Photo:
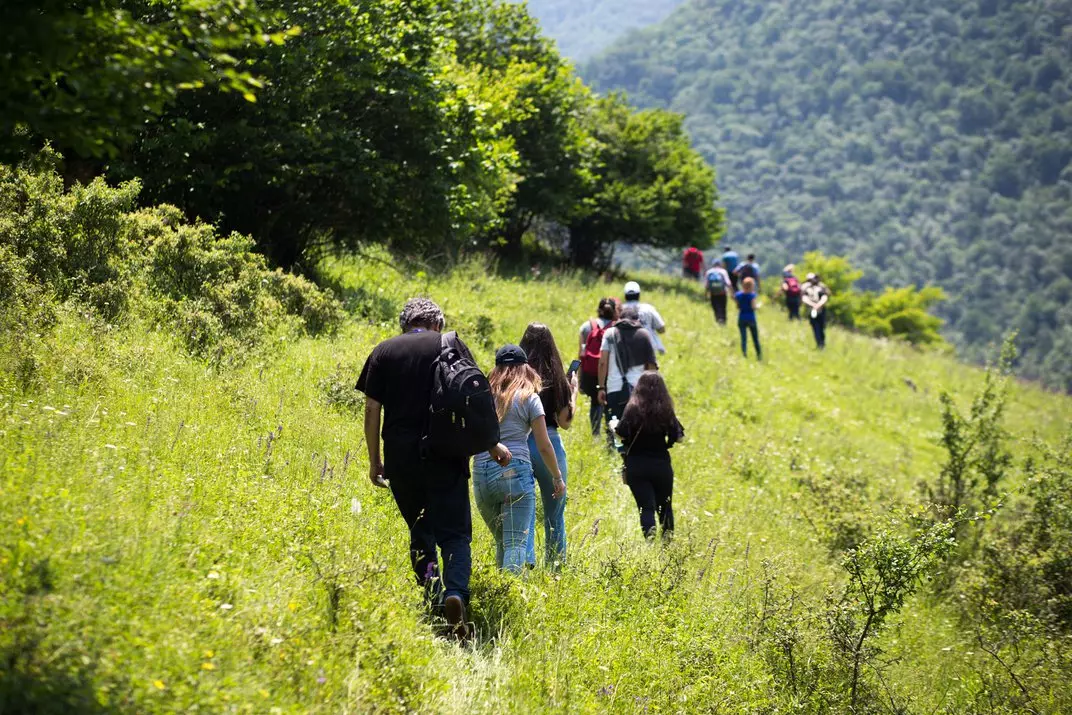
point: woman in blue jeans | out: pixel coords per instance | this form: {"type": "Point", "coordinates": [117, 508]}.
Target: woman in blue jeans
{"type": "Point", "coordinates": [506, 496]}
{"type": "Point", "coordinates": [559, 399]}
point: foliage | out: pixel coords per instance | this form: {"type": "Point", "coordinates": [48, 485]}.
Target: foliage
{"type": "Point", "coordinates": [902, 312]}
{"type": "Point", "coordinates": [174, 537]}
{"type": "Point", "coordinates": [895, 313]}
{"type": "Point", "coordinates": [582, 29]}
{"type": "Point", "coordinates": [977, 456]}
{"type": "Point", "coordinates": [882, 573]}
{"type": "Point", "coordinates": [651, 187]}
{"type": "Point", "coordinates": [119, 64]}
{"type": "Point", "coordinates": [89, 245]}
{"type": "Point", "coordinates": [929, 142]}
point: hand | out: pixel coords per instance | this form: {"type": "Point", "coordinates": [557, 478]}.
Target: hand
{"type": "Point", "coordinates": [560, 488]}
{"type": "Point", "coordinates": [501, 454]}
{"type": "Point", "coordinates": [574, 382]}
{"type": "Point", "coordinates": [602, 397]}
{"type": "Point", "coordinates": [376, 474]}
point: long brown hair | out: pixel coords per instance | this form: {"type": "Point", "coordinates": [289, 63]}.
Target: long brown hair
{"type": "Point", "coordinates": [543, 354]}
{"type": "Point", "coordinates": [650, 406]}
{"type": "Point", "coordinates": [513, 382]}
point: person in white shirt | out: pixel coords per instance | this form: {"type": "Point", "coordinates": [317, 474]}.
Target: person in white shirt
{"type": "Point", "coordinates": [649, 318]}
{"type": "Point", "coordinates": [626, 353]}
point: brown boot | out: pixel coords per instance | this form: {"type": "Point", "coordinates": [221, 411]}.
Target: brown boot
{"type": "Point", "coordinates": [454, 610]}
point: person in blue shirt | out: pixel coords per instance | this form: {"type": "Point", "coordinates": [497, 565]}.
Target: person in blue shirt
{"type": "Point", "coordinates": [730, 259]}
{"type": "Point", "coordinates": [746, 316]}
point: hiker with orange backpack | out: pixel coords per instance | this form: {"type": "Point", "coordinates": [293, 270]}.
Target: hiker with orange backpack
{"type": "Point", "coordinates": [591, 345]}
{"type": "Point", "coordinates": [792, 291]}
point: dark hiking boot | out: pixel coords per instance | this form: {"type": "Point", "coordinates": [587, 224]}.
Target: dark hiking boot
{"type": "Point", "coordinates": [454, 612]}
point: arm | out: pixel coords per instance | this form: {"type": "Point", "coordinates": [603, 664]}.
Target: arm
{"type": "Point", "coordinates": [823, 301]}
{"type": "Point", "coordinates": [659, 323]}
{"type": "Point", "coordinates": [584, 339]}
{"type": "Point", "coordinates": [604, 368]}
{"type": "Point", "coordinates": [547, 451]}
{"type": "Point", "coordinates": [372, 441]}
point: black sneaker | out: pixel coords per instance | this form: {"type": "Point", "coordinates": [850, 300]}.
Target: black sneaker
{"type": "Point", "coordinates": [454, 611]}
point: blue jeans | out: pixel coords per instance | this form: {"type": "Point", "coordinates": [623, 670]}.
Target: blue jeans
{"type": "Point", "coordinates": [554, 510]}
{"type": "Point", "coordinates": [745, 328]}
{"type": "Point", "coordinates": [506, 499]}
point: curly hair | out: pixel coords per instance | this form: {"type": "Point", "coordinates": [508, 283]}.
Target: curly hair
{"type": "Point", "coordinates": [421, 313]}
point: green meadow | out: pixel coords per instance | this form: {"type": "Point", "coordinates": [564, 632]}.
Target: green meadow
{"type": "Point", "coordinates": [182, 533]}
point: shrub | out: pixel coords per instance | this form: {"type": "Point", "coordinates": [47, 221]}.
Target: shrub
{"type": "Point", "coordinates": [902, 313]}
{"type": "Point", "coordinates": [88, 245]}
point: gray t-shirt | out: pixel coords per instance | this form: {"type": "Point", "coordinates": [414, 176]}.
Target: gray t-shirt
{"type": "Point", "coordinates": [515, 428]}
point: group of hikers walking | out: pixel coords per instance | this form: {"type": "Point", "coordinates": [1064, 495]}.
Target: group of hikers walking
{"type": "Point", "coordinates": [433, 410]}
{"type": "Point", "coordinates": [729, 276]}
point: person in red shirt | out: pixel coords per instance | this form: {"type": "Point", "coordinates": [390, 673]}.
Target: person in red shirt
{"type": "Point", "coordinates": [692, 263]}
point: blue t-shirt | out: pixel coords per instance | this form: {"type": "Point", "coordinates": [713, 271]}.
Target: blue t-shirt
{"type": "Point", "coordinates": [746, 304]}
{"type": "Point", "coordinates": [730, 259]}
{"type": "Point", "coordinates": [515, 428]}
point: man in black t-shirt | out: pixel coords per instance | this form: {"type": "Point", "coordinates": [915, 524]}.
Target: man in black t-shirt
{"type": "Point", "coordinates": [431, 492]}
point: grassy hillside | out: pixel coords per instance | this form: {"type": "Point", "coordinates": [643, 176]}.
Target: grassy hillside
{"type": "Point", "coordinates": [175, 533]}
{"type": "Point", "coordinates": [928, 140]}
{"type": "Point", "coordinates": [583, 28]}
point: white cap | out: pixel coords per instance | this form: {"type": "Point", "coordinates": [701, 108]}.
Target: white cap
{"type": "Point", "coordinates": [632, 288]}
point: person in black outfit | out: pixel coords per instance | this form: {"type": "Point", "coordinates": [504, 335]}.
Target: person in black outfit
{"type": "Point", "coordinates": [431, 492]}
{"type": "Point", "coordinates": [648, 429]}
{"type": "Point", "coordinates": [626, 353]}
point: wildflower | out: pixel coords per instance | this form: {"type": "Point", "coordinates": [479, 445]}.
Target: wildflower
{"type": "Point", "coordinates": [293, 605]}
{"type": "Point", "coordinates": [213, 575]}
{"type": "Point", "coordinates": [226, 606]}
{"type": "Point", "coordinates": [208, 666]}
{"type": "Point", "coordinates": [209, 653]}
{"type": "Point", "coordinates": [159, 684]}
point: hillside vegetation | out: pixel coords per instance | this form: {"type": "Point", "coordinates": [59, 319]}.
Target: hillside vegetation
{"type": "Point", "coordinates": [929, 141]}
{"type": "Point", "coordinates": [186, 528]}
{"type": "Point", "coordinates": [582, 29]}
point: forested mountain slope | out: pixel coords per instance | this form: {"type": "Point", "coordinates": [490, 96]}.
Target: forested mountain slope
{"type": "Point", "coordinates": [929, 140]}
{"type": "Point", "coordinates": [584, 27]}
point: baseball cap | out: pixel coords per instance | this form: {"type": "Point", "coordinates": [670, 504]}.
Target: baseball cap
{"type": "Point", "coordinates": [510, 355]}
{"type": "Point", "coordinates": [632, 288]}
{"type": "Point", "coordinates": [810, 277]}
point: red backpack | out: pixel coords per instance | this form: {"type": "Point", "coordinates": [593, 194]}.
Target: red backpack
{"type": "Point", "coordinates": [592, 347]}
{"type": "Point", "coordinates": [792, 287]}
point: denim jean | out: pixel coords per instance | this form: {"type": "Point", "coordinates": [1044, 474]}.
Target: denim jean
{"type": "Point", "coordinates": [554, 510]}
{"type": "Point", "coordinates": [506, 499]}
{"type": "Point", "coordinates": [749, 327]}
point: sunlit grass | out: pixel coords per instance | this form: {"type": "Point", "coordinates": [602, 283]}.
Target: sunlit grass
{"type": "Point", "coordinates": [175, 535]}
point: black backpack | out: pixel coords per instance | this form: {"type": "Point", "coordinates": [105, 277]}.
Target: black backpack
{"type": "Point", "coordinates": [748, 270]}
{"type": "Point", "coordinates": [462, 419]}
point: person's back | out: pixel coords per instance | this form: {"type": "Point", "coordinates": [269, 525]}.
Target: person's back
{"type": "Point", "coordinates": [746, 315]}
{"type": "Point", "coordinates": [730, 259]}
{"type": "Point", "coordinates": [398, 374]}
{"type": "Point", "coordinates": [647, 315]}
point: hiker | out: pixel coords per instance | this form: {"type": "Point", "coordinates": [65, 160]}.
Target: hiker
{"type": "Point", "coordinates": [648, 429]}
{"type": "Point", "coordinates": [626, 353]}
{"type": "Point", "coordinates": [749, 269]}
{"type": "Point", "coordinates": [815, 297]}
{"type": "Point", "coordinates": [692, 263]}
{"type": "Point", "coordinates": [559, 399]}
{"type": "Point", "coordinates": [591, 344]}
{"type": "Point", "coordinates": [430, 489]}
{"type": "Point", "coordinates": [746, 316]}
{"type": "Point", "coordinates": [730, 259]}
{"type": "Point", "coordinates": [718, 289]}
{"type": "Point", "coordinates": [649, 316]}
{"type": "Point", "coordinates": [506, 495]}
{"type": "Point", "coordinates": [792, 291]}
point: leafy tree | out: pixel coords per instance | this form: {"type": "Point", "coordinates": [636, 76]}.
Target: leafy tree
{"type": "Point", "coordinates": [88, 74]}
{"type": "Point", "coordinates": [554, 151]}
{"type": "Point", "coordinates": [902, 312]}
{"type": "Point", "coordinates": [650, 186]}
{"type": "Point", "coordinates": [366, 131]}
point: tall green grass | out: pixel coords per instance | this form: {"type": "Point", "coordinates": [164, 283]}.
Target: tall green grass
{"type": "Point", "coordinates": [178, 535]}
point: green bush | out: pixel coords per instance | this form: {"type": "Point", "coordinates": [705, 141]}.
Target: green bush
{"type": "Point", "coordinates": [88, 245]}
{"type": "Point", "coordinates": [902, 313]}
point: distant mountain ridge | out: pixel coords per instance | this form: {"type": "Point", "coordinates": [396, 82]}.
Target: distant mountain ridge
{"type": "Point", "coordinates": [582, 28]}
{"type": "Point", "coordinates": [929, 140]}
